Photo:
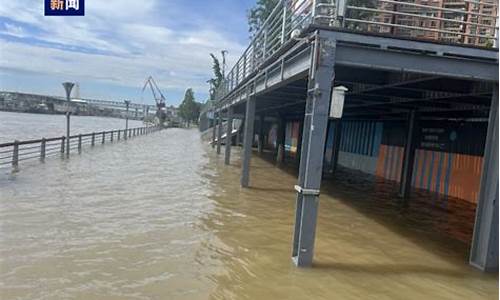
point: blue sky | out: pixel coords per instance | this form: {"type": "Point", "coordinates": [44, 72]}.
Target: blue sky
{"type": "Point", "coordinates": [117, 44]}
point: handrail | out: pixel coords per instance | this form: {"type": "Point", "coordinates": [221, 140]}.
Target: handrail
{"type": "Point", "coordinates": [396, 18]}
{"type": "Point", "coordinates": [16, 152]}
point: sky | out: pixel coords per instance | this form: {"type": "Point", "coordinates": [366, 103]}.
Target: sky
{"type": "Point", "coordinates": [117, 44]}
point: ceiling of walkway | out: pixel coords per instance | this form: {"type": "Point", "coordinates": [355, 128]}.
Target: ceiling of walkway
{"type": "Point", "coordinates": [376, 94]}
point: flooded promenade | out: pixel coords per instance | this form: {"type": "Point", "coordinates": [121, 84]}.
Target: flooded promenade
{"type": "Point", "coordinates": [161, 217]}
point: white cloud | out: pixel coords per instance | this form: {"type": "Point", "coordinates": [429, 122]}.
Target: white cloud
{"type": "Point", "coordinates": [13, 30]}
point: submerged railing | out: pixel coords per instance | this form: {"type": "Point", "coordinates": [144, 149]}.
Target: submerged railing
{"type": "Point", "coordinates": [465, 22]}
{"type": "Point", "coordinates": [11, 154]}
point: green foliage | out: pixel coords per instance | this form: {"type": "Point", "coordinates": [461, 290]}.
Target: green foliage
{"type": "Point", "coordinates": [189, 110]}
{"type": "Point", "coordinates": [259, 13]}
{"type": "Point", "coordinates": [215, 81]}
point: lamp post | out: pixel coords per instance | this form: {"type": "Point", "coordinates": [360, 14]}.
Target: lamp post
{"type": "Point", "coordinates": [127, 104]}
{"type": "Point", "coordinates": [68, 86]}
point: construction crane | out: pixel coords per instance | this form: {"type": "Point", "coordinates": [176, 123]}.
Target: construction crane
{"type": "Point", "coordinates": [160, 100]}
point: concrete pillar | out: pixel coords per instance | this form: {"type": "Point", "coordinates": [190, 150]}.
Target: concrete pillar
{"type": "Point", "coordinates": [260, 141]}
{"type": "Point", "coordinates": [409, 156]}
{"type": "Point", "coordinates": [214, 129]}
{"type": "Point", "coordinates": [337, 137]}
{"type": "Point", "coordinates": [484, 249]}
{"type": "Point", "coordinates": [280, 140]}
{"type": "Point", "coordinates": [312, 151]}
{"type": "Point", "coordinates": [229, 135]}
{"type": "Point", "coordinates": [219, 132]}
{"type": "Point", "coordinates": [248, 141]}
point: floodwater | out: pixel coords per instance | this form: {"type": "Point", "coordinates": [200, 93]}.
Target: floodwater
{"type": "Point", "coordinates": [161, 217]}
{"type": "Point", "coordinates": [26, 126]}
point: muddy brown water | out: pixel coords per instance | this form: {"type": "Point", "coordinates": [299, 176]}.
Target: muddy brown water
{"type": "Point", "coordinates": [161, 217]}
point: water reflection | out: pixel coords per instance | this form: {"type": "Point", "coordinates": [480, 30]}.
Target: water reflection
{"type": "Point", "coordinates": [367, 245]}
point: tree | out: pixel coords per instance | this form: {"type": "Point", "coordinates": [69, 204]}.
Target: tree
{"type": "Point", "coordinates": [217, 80]}
{"type": "Point", "coordinates": [189, 110]}
{"type": "Point", "coordinates": [259, 13]}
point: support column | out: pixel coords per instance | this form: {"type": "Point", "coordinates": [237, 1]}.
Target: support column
{"type": "Point", "coordinates": [299, 140]}
{"type": "Point", "coordinates": [312, 151]}
{"type": "Point", "coordinates": [280, 140]}
{"type": "Point", "coordinates": [260, 141]}
{"type": "Point", "coordinates": [219, 132]}
{"type": "Point", "coordinates": [484, 249]}
{"type": "Point", "coordinates": [408, 157]}
{"type": "Point", "coordinates": [238, 137]}
{"type": "Point", "coordinates": [214, 129]}
{"type": "Point", "coordinates": [248, 141]}
{"type": "Point", "coordinates": [229, 135]}
{"type": "Point", "coordinates": [337, 136]}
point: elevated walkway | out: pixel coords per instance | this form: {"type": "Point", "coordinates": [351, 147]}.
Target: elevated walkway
{"type": "Point", "coordinates": [289, 71]}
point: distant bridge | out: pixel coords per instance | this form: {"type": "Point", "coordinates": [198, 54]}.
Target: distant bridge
{"type": "Point", "coordinates": [23, 102]}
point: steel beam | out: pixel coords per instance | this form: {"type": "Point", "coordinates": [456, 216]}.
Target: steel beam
{"type": "Point", "coordinates": [229, 136]}
{"type": "Point", "coordinates": [248, 141]}
{"type": "Point", "coordinates": [313, 144]}
{"type": "Point", "coordinates": [401, 61]}
{"type": "Point", "coordinates": [484, 249]}
{"type": "Point", "coordinates": [219, 132]}
{"type": "Point", "coordinates": [408, 156]}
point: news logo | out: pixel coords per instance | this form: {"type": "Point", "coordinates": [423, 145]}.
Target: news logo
{"type": "Point", "coordinates": [65, 7]}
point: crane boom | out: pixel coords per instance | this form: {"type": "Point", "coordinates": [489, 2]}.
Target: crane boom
{"type": "Point", "coordinates": [158, 96]}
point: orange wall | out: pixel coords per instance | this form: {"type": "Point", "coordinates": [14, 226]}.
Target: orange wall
{"type": "Point", "coordinates": [451, 174]}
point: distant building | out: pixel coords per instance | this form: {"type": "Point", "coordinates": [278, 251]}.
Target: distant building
{"type": "Point", "coordinates": [446, 20]}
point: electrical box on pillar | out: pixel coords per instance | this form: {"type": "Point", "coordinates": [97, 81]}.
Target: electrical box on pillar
{"type": "Point", "coordinates": [337, 103]}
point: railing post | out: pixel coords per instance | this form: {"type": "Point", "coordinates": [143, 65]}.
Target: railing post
{"type": "Point", "coordinates": [15, 156]}
{"type": "Point", "coordinates": [130, 133]}
{"type": "Point", "coordinates": [264, 52]}
{"type": "Point", "coordinates": [252, 61]}
{"type": "Point", "coordinates": [92, 142]}
{"type": "Point", "coordinates": [43, 145]}
{"type": "Point", "coordinates": [244, 65]}
{"type": "Point", "coordinates": [283, 24]}
{"type": "Point", "coordinates": [62, 144]}
{"type": "Point", "coordinates": [118, 134]}
{"type": "Point", "coordinates": [313, 12]}
{"type": "Point", "coordinates": [111, 138]}
{"type": "Point", "coordinates": [237, 72]}
{"type": "Point", "coordinates": [103, 137]}
{"type": "Point", "coordinates": [79, 144]}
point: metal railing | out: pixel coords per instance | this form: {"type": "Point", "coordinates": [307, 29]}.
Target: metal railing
{"type": "Point", "coordinates": [465, 22]}
{"type": "Point", "coordinates": [11, 154]}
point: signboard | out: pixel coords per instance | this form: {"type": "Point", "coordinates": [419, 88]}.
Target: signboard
{"type": "Point", "coordinates": [64, 7]}
{"type": "Point", "coordinates": [337, 103]}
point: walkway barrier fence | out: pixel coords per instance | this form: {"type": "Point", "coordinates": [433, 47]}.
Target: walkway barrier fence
{"type": "Point", "coordinates": [12, 153]}
{"type": "Point", "coordinates": [470, 22]}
